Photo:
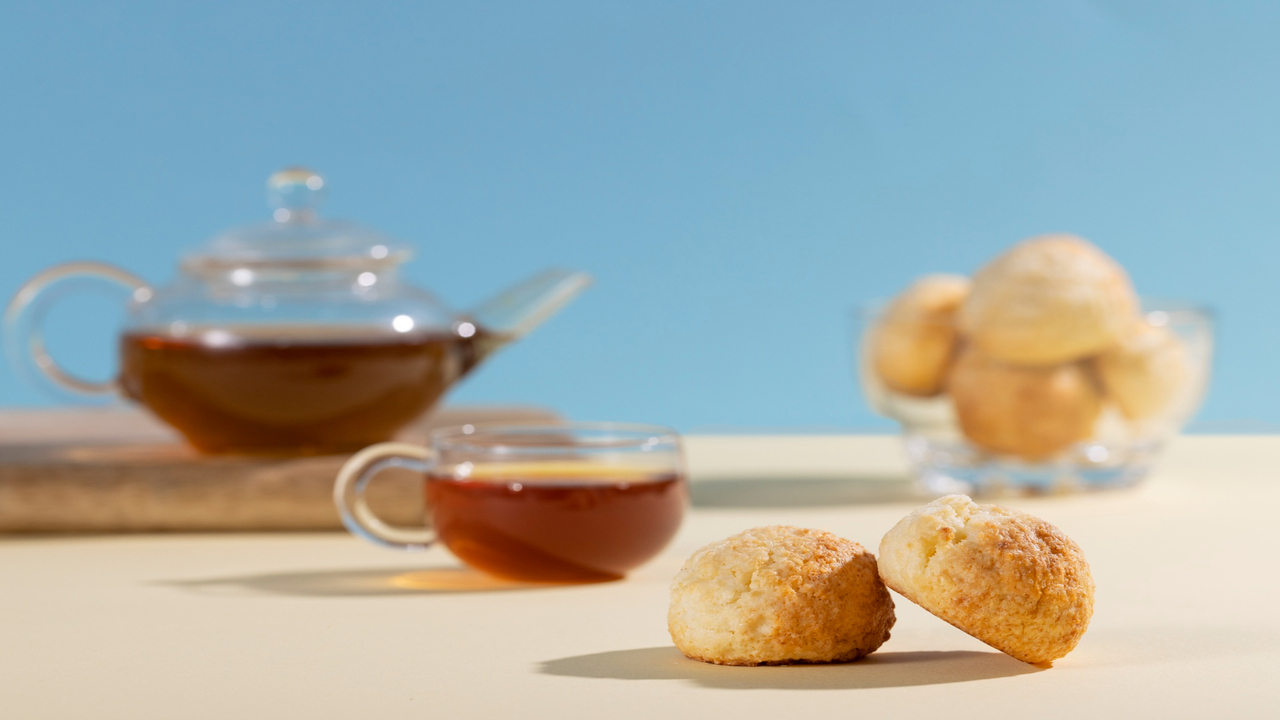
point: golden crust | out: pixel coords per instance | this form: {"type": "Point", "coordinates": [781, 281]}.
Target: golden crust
{"type": "Point", "coordinates": [1005, 577]}
{"type": "Point", "coordinates": [779, 595]}
{"type": "Point", "coordinates": [1048, 300]}
{"type": "Point", "coordinates": [913, 343]}
{"type": "Point", "coordinates": [1030, 412]}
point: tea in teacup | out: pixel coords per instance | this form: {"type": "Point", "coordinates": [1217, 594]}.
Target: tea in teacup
{"type": "Point", "coordinates": [555, 521]}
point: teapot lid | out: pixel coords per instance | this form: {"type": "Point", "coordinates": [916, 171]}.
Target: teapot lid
{"type": "Point", "coordinates": [297, 239]}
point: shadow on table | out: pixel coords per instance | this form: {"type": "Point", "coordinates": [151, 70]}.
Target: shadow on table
{"type": "Point", "coordinates": [802, 492]}
{"type": "Point", "coordinates": [359, 582]}
{"type": "Point", "coordinates": [881, 670]}
{"type": "Point", "coordinates": [1142, 644]}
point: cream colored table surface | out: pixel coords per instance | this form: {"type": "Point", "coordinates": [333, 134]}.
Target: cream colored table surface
{"type": "Point", "coordinates": [324, 626]}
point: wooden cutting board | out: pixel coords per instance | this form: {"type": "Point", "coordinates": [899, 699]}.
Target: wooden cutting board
{"type": "Point", "coordinates": [120, 470]}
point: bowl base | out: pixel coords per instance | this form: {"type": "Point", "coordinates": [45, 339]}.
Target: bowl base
{"type": "Point", "coordinates": [956, 467]}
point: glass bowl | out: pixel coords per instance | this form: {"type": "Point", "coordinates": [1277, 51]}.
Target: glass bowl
{"type": "Point", "coordinates": [995, 429]}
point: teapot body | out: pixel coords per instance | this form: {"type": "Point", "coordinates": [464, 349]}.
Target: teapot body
{"type": "Point", "coordinates": [313, 363]}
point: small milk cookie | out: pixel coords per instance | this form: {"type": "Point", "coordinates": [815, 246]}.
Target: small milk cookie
{"type": "Point", "coordinates": [1145, 371]}
{"type": "Point", "coordinates": [1027, 411]}
{"type": "Point", "coordinates": [915, 339]}
{"type": "Point", "coordinates": [1048, 300]}
{"type": "Point", "coordinates": [1009, 579]}
{"type": "Point", "coordinates": [777, 595]}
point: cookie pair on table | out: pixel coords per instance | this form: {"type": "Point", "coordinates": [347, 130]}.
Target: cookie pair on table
{"type": "Point", "coordinates": [779, 595]}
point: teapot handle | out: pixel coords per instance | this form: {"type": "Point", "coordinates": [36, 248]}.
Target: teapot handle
{"type": "Point", "coordinates": [25, 315]}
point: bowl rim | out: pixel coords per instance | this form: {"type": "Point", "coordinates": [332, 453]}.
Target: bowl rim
{"type": "Point", "coordinates": [1178, 309]}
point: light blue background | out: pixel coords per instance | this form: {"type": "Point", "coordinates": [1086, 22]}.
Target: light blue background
{"type": "Point", "coordinates": [737, 175]}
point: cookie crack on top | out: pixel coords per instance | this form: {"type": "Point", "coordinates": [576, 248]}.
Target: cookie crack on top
{"type": "Point", "coordinates": [949, 535]}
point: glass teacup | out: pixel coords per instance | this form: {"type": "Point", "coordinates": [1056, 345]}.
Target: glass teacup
{"type": "Point", "coordinates": [578, 502]}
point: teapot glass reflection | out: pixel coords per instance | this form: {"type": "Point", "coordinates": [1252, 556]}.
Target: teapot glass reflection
{"type": "Point", "coordinates": [295, 335]}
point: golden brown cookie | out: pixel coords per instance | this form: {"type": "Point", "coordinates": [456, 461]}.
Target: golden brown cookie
{"type": "Point", "coordinates": [1049, 300]}
{"type": "Point", "coordinates": [914, 340]}
{"type": "Point", "coordinates": [1009, 579]}
{"type": "Point", "coordinates": [1028, 411]}
{"type": "Point", "coordinates": [1145, 372]}
{"type": "Point", "coordinates": [776, 595]}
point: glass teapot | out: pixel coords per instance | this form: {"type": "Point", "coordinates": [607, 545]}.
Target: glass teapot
{"type": "Point", "coordinates": [296, 335]}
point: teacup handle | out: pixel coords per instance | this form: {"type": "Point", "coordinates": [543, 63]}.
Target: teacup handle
{"type": "Point", "coordinates": [24, 322]}
{"type": "Point", "coordinates": [353, 480]}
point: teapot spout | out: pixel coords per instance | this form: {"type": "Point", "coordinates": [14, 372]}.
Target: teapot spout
{"type": "Point", "coordinates": [519, 309]}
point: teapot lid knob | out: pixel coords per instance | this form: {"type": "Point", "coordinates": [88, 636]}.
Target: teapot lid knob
{"type": "Point", "coordinates": [295, 193]}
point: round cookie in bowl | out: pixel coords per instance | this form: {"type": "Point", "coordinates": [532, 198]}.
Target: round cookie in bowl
{"type": "Point", "coordinates": [1048, 300]}
{"type": "Point", "coordinates": [779, 595]}
{"type": "Point", "coordinates": [914, 343]}
{"type": "Point", "coordinates": [1026, 411]}
{"type": "Point", "coordinates": [1145, 370]}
